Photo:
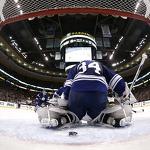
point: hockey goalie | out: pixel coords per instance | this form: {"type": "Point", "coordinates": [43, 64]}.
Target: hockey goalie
{"type": "Point", "coordinates": [85, 93]}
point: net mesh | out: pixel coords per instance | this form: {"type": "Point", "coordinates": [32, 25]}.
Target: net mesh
{"type": "Point", "coordinates": [10, 9]}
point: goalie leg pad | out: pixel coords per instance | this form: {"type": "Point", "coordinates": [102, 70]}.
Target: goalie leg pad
{"type": "Point", "coordinates": [54, 117]}
{"type": "Point", "coordinates": [122, 112]}
{"type": "Point", "coordinates": [42, 113]}
{"type": "Point", "coordinates": [47, 118]}
{"type": "Point", "coordinates": [116, 116]}
{"type": "Point", "coordinates": [65, 116]}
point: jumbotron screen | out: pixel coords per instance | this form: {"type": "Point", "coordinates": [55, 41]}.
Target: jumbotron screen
{"type": "Point", "coordinates": [77, 54]}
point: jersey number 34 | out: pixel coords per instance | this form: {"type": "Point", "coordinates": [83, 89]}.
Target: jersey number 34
{"type": "Point", "coordinates": [84, 66]}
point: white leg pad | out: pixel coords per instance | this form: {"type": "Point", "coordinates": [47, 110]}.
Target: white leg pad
{"type": "Point", "coordinates": [47, 118]}
{"type": "Point", "coordinates": [123, 112]}
{"type": "Point", "coordinates": [118, 116]}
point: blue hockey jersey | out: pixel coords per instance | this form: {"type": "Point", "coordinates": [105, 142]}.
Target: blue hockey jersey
{"type": "Point", "coordinates": [93, 76]}
{"type": "Point", "coordinates": [41, 98]}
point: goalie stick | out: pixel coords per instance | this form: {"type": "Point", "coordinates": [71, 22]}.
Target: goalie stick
{"type": "Point", "coordinates": [144, 57]}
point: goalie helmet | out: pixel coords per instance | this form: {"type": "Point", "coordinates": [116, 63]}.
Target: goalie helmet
{"type": "Point", "coordinates": [75, 41]}
{"type": "Point", "coordinates": [78, 39]}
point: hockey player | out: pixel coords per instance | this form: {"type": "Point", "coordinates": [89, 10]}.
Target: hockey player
{"type": "Point", "coordinates": [86, 91]}
{"type": "Point", "coordinates": [41, 102]}
{"type": "Point", "coordinates": [41, 99]}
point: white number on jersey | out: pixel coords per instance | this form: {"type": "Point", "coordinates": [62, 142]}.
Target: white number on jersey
{"type": "Point", "coordinates": [96, 66]}
{"type": "Point", "coordinates": [83, 66]}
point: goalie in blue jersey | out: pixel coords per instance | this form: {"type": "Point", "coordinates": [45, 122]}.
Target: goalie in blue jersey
{"type": "Point", "coordinates": [86, 89]}
{"type": "Point", "coordinates": [85, 92]}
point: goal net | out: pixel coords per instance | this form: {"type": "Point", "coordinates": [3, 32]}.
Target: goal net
{"type": "Point", "coordinates": [16, 10]}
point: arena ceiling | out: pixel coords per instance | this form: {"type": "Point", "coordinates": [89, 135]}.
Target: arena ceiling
{"type": "Point", "coordinates": [31, 44]}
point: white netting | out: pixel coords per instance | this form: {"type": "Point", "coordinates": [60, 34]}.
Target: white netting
{"type": "Point", "coordinates": [13, 8]}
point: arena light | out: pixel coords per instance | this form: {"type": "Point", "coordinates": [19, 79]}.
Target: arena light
{"type": "Point", "coordinates": [12, 55]}
{"type": "Point", "coordinates": [32, 90]}
{"type": "Point", "coordinates": [21, 12]}
{"type": "Point", "coordinates": [36, 69]}
{"type": "Point", "coordinates": [19, 61]}
{"type": "Point", "coordinates": [40, 47]}
{"type": "Point", "coordinates": [24, 55]}
{"type": "Point", "coordinates": [25, 64]}
{"type": "Point", "coordinates": [42, 65]}
{"type": "Point", "coordinates": [16, 46]}
{"type": "Point", "coordinates": [47, 72]}
{"type": "Point", "coordinates": [114, 64]}
{"type": "Point", "coordinates": [120, 39]}
{"type": "Point", "coordinates": [7, 50]}
{"type": "Point", "coordinates": [111, 56]}
{"type": "Point", "coordinates": [35, 39]}
{"type": "Point", "coordinates": [38, 64]}
{"type": "Point", "coordinates": [116, 46]}
{"type": "Point", "coordinates": [16, 1]}
{"type": "Point", "coordinates": [137, 6]}
{"type": "Point", "coordinates": [2, 78]}
{"type": "Point", "coordinates": [46, 58]}
{"type": "Point", "coordinates": [30, 67]}
{"type": "Point", "coordinates": [18, 6]}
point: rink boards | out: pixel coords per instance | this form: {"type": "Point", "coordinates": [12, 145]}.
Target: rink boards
{"type": "Point", "coordinates": [28, 107]}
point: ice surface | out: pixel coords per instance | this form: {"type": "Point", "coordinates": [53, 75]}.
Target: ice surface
{"type": "Point", "coordinates": [24, 125]}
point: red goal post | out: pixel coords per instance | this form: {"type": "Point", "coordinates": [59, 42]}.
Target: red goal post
{"type": "Point", "coordinates": [16, 10]}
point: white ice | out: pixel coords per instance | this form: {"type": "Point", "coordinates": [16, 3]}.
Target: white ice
{"type": "Point", "coordinates": [23, 125]}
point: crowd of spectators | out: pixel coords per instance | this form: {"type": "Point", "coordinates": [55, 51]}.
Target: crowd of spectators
{"type": "Point", "coordinates": [11, 93]}
{"type": "Point", "coordinates": [142, 94]}
{"type": "Point", "coordinates": [14, 94]}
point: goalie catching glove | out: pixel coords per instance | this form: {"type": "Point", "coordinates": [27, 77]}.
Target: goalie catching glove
{"type": "Point", "coordinates": [127, 97]}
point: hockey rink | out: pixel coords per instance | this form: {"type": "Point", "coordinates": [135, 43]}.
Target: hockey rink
{"type": "Point", "coordinates": [20, 129]}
